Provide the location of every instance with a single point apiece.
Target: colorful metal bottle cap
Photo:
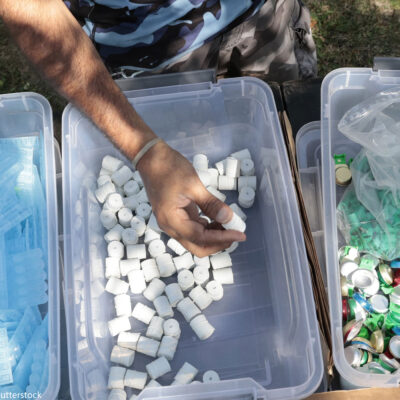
(365, 358)
(347, 268)
(351, 329)
(343, 175)
(396, 330)
(386, 366)
(377, 341)
(373, 289)
(396, 277)
(395, 295)
(363, 302)
(344, 285)
(389, 361)
(395, 263)
(345, 310)
(363, 344)
(376, 368)
(348, 253)
(379, 303)
(362, 278)
(353, 356)
(368, 261)
(394, 346)
(385, 274)
(359, 313)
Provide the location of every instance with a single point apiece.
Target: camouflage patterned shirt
(150, 34)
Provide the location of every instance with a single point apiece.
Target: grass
(347, 33)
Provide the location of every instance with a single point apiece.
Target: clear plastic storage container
(27, 118)
(341, 90)
(266, 343)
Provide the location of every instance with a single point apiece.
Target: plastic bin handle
(386, 63)
(163, 80)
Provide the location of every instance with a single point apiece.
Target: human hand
(174, 190)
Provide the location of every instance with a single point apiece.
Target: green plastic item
(340, 159)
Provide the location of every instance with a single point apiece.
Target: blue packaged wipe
(6, 376)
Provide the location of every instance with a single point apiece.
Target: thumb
(213, 207)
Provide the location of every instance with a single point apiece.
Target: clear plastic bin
(266, 344)
(23, 115)
(341, 90)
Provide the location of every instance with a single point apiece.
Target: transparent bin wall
(266, 341)
(341, 90)
(29, 114)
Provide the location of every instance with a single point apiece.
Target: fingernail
(223, 215)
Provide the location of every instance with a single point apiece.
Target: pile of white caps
(142, 260)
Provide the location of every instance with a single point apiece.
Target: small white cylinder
(185, 261)
(112, 268)
(201, 275)
(118, 325)
(142, 197)
(232, 167)
(200, 162)
(226, 183)
(186, 279)
(171, 328)
(165, 265)
(155, 329)
(156, 248)
(168, 347)
(200, 297)
(103, 191)
(213, 174)
(186, 374)
(116, 378)
(111, 163)
(125, 216)
(114, 234)
(114, 202)
(246, 197)
(128, 340)
(143, 313)
(131, 264)
(151, 235)
(176, 247)
(241, 154)
(224, 276)
(202, 261)
(216, 193)
(122, 355)
(115, 249)
(150, 269)
(204, 177)
(174, 293)
(139, 225)
(201, 327)
(138, 178)
(221, 166)
(135, 379)
(221, 260)
(116, 286)
(153, 383)
(247, 181)
(103, 179)
(122, 175)
(158, 368)
(136, 251)
(129, 236)
(131, 188)
(123, 306)
(210, 376)
(143, 210)
(156, 288)
(232, 247)
(188, 309)
(215, 290)
(147, 346)
(247, 167)
(137, 282)
(164, 309)
(108, 219)
(236, 223)
(131, 202)
(104, 172)
(117, 394)
(237, 210)
(153, 224)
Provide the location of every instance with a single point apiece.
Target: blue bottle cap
(395, 263)
(363, 302)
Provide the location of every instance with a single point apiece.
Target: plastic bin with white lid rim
(266, 343)
(341, 90)
(25, 115)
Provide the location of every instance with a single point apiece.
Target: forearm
(60, 50)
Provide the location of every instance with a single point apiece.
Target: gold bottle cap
(377, 341)
(343, 175)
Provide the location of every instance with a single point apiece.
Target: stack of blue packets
(24, 344)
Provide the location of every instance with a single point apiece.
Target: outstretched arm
(59, 49)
